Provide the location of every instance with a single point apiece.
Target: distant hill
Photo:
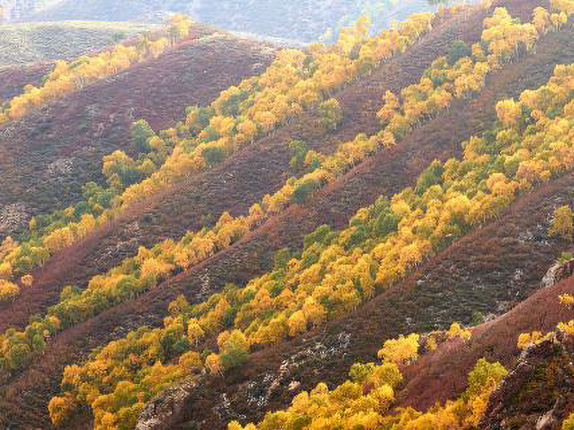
(39, 42)
(11, 10)
(305, 20)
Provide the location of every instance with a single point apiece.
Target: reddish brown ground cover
(48, 155)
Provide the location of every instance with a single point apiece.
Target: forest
(369, 231)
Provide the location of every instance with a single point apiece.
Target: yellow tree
(194, 331)
(562, 225)
(8, 290)
(403, 350)
(508, 112)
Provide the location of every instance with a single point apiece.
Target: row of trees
(69, 77)
(338, 270)
(130, 279)
(460, 74)
(366, 401)
(114, 411)
(296, 80)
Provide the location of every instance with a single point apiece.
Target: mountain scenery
(305, 20)
(268, 215)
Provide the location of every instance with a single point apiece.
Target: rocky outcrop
(170, 409)
(12, 218)
(539, 392)
(559, 271)
(164, 410)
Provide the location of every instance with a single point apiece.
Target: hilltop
(22, 44)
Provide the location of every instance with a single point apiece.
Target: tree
(566, 300)
(234, 349)
(27, 280)
(60, 408)
(458, 50)
(8, 290)
(541, 20)
(457, 331)
(304, 189)
(331, 114)
(299, 152)
(509, 112)
(118, 166)
(180, 26)
(527, 339)
(179, 306)
(390, 107)
(194, 331)
(403, 350)
(562, 225)
(213, 155)
(213, 363)
(297, 323)
(141, 133)
(568, 423)
(484, 377)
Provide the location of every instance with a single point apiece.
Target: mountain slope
(485, 260)
(305, 20)
(154, 302)
(48, 155)
(50, 41)
(216, 193)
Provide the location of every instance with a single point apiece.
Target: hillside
(19, 9)
(304, 20)
(354, 236)
(13, 79)
(75, 135)
(49, 41)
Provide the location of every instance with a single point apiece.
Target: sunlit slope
(49, 41)
(306, 20)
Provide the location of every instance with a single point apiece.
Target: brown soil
(13, 79)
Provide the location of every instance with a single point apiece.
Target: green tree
(234, 350)
(141, 133)
(299, 150)
(458, 50)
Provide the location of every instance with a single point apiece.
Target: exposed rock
(559, 271)
(162, 412)
(61, 167)
(12, 218)
(256, 394)
(534, 395)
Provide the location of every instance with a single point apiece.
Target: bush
(458, 50)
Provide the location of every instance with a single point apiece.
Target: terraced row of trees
(338, 270)
(367, 398)
(295, 81)
(150, 266)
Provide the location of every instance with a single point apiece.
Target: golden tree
(562, 225)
